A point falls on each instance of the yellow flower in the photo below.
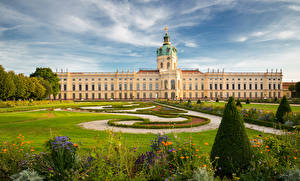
(206, 143)
(179, 148)
(75, 145)
(295, 158)
(217, 158)
(197, 150)
(187, 157)
(204, 165)
(4, 150)
(32, 150)
(182, 157)
(194, 144)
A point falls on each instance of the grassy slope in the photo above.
(272, 108)
(39, 126)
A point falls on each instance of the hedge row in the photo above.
(146, 121)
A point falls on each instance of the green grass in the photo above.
(60, 105)
(268, 107)
(39, 126)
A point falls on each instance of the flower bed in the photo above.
(192, 121)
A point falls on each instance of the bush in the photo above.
(27, 175)
(273, 157)
(189, 103)
(283, 109)
(238, 103)
(198, 101)
(62, 156)
(247, 101)
(231, 151)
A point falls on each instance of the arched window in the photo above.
(168, 65)
(161, 65)
(173, 95)
(166, 84)
(173, 84)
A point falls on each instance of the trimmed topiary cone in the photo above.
(238, 103)
(283, 109)
(231, 152)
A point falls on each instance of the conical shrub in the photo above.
(238, 103)
(231, 152)
(283, 109)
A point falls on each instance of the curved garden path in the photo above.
(214, 124)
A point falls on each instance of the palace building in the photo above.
(168, 81)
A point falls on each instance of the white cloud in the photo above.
(241, 39)
(190, 44)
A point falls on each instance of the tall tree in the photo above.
(297, 87)
(7, 87)
(231, 151)
(21, 87)
(38, 91)
(48, 75)
(283, 109)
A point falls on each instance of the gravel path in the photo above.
(214, 124)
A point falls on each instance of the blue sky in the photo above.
(102, 35)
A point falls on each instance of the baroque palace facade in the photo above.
(169, 82)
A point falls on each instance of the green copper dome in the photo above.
(166, 49)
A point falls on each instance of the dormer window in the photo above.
(168, 58)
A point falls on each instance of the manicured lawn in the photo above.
(60, 105)
(272, 108)
(41, 125)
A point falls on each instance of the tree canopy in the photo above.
(48, 75)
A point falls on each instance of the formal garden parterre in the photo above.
(107, 155)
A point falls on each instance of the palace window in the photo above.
(210, 86)
(112, 87)
(245, 86)
(221, 86)
(65, 87)
(274, 86)
(227, 86)
(255, 86)
(250, 86)
(168, 65)
(232, 86)
(80, 87)
(137, 86)
(150, 86)
(120, 86)
(239, 86)
(93, 87)
(73, 87)
(156, 86)
(190, 87)
(196, 86)
(99, 86)
(216, 86)
(130, 86)
(278, 87)
(105, 87)
(125, 86)
(270, 87)
(172, 84)
(144, 86)
(86, 87)
(261, 86)
(202, 86)
(161, 65)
